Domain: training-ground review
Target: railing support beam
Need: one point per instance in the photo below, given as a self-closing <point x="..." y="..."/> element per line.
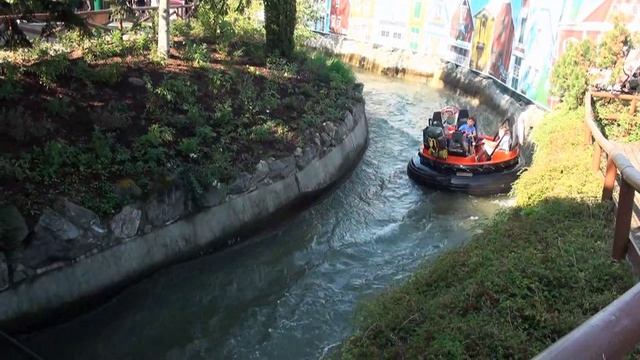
<point x="609" y="179"/>
<point x="597" y="153"/>
<point x="623" y="220"/>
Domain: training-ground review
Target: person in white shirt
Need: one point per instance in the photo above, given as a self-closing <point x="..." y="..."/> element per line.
<point x="502" y="142"/>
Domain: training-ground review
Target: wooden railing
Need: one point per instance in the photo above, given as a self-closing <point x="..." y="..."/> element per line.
<point x="615" y="330"/>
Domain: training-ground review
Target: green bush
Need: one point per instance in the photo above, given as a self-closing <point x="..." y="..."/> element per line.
<point x="181" y="28"/>
<point x="48" y="70"/>
<point x="569" y="78"/>
<point x="197" y="53"/>
<point x="9" y="81"/>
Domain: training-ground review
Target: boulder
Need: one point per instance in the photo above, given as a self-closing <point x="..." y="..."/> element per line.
<point x="281" y="168"/>
<point x="126" y="223"/>
<point x="241" y="184"/>
<point x="57" y="225"/>
<point x="214" y="196"/>
<point x="21" y="272"/>
<point x="79" y="216"/>
<point x="135" y="81"/>
<point x="308" y="155"/>
<point x="127" y="189"/>
<point x="13" y="228"/>
<point x="329" y="129"/>
<point x="47" y="247"/>
<point x="348" y="120"/>
<point x="166" y="207"/>
<point x="262" y="170"/>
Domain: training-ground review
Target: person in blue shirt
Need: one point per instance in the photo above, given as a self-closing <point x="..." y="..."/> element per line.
<point x="469" y="130"/>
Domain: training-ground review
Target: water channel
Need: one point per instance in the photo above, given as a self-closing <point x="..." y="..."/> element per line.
<point x="291" y="293"/>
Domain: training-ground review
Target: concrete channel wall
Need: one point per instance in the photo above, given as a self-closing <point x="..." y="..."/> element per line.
<point x="43" y="297"/>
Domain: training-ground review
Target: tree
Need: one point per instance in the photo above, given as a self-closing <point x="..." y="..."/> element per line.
<point x="163" y="29"/>
<point x="120" y="11"/>
<point x="570" y="75"/>
<point x="280" y="24"/>
<point x="613" y="49"/>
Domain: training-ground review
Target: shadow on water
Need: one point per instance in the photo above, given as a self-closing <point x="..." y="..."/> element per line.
<point x="290" y="294"/>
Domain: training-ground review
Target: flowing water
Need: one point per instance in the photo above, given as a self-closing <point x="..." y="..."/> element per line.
<point x="291" y="293"/>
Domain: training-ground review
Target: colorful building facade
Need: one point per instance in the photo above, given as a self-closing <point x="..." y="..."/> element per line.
<point x="323" y="22"/>
<point x="515" y="41"/>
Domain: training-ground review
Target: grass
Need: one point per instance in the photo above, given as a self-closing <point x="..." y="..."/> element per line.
<point x="534" y="273"/>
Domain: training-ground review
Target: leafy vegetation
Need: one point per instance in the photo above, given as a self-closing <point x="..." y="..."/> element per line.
<point x="518" y="286"/>
<point x="569" y="77"/>
<point x="101" y="113"/>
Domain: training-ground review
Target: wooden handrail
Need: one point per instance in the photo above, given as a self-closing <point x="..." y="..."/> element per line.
<point x="615" y="330"/>
<point x="610" y="334"/>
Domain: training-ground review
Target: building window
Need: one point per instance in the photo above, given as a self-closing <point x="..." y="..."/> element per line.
<point x="522" y="25"/>
<point x="384" y="33"/>
<point x="415" y="30"/>
<point x="397" y="35"/>
<point x="417" y="9"/>
<point x="516" y="73"/>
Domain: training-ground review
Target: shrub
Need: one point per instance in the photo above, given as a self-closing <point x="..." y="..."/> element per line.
<point x="48" y="70"/>
<point x="611" y="50"/>
<point x="181" y="28"/>
<point x="198" y="54"/>
<point x="569" y="78"/>
<point x="114" y="116"/>
<point x="9" y="81"/>
<point x="107" y="74"/>
<point x="59" y="107"/>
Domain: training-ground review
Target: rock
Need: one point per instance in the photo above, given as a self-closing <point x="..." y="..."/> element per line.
<point x="47" y="247"/>
<point x="13" y="228"/>
<point x="329" y="129"/>
<point x="127" y="189"/>
<point x="21" y="273"/>
<point x="317" y="139"/>
<point x="213" y="197"/>
<point x="308" y="155"/>
<point x="57" y="225"/>
<point x="298" y="152"/>
<point x="280" y="169"/>
<point x="136" y="81"/>
<point x="241" y="184"/>
<point x="80" y="216"/>
<point x="326" y="140"/>
<point x="4" y="273"/>
<point x="262" y="170"/>
<point x="126" y="223"/>
<point x="348" y="120"/>
<point x="166" y="207"/>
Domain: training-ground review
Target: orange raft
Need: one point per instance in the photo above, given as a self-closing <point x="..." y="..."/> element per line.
<point x="451" y="160"/>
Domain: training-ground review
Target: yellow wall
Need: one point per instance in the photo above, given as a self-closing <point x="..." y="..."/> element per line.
<point x="361" y="19"/>
<point x="483" y="33"/>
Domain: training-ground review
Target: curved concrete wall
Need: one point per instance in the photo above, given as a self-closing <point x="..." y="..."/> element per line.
<point x="44" y="296"/>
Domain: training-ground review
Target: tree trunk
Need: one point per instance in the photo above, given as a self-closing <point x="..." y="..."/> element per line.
<point x="280" y="23"/>
<point x="163" y="29"/>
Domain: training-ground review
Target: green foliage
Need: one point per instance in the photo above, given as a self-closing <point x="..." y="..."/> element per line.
<point x="106" y="74"/>
<point x="196" y="53"/>
<point x="48" y="70"/>
<point x="626" y="128"/>
<point x="518" y="286"/>
<point x="59" y="107"/>
<point x="569" y="78"/>
<point x="114" y="116"/>
<point x="181" y="28"/>
<point x="20" y="125"/>
<point x="612" y="50"/>
<point x="9" y="81"/>
<point x="120" y="11"/>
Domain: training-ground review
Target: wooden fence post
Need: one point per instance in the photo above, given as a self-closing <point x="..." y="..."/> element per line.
<point x="634" y="105"/>
<point x="623" y="220"/>
<point x="609" y="179"/>
<point x="597" y="153"/>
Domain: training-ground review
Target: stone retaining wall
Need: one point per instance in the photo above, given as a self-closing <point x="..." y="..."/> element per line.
<point x="167" y="228"/>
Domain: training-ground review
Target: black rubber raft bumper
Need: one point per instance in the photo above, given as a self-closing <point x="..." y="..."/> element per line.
<point x="474" y="184"/>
